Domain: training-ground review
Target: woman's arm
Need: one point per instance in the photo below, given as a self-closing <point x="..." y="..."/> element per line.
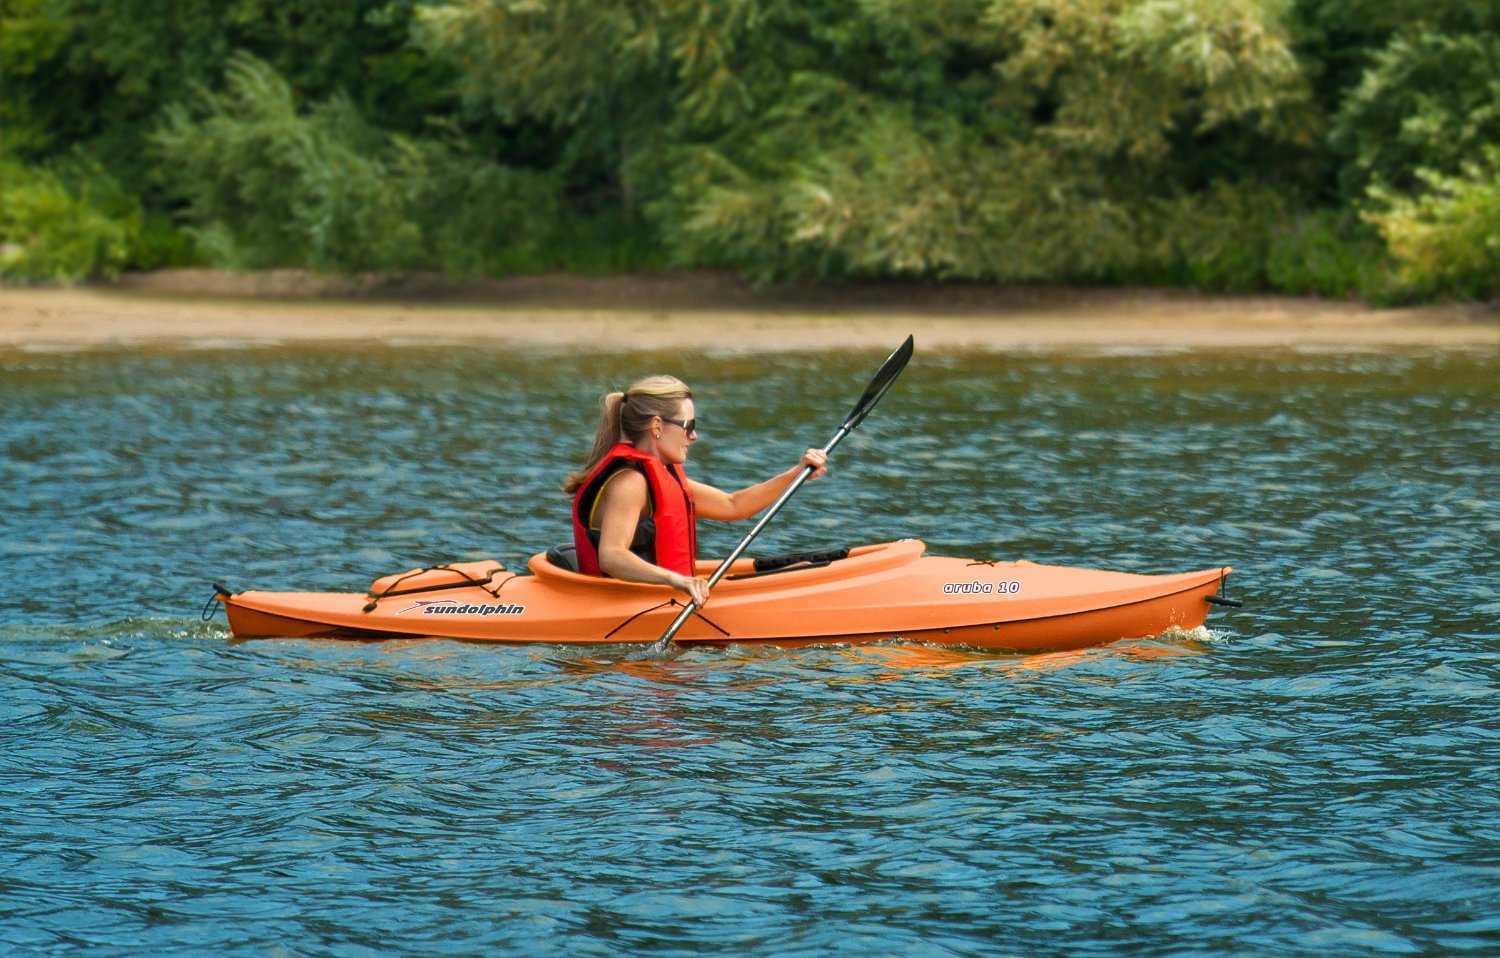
<point x="620" y="506"/>
<point x="712" y="503"/>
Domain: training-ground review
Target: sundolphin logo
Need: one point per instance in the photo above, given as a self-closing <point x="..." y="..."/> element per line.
<point x="455" y="607"/>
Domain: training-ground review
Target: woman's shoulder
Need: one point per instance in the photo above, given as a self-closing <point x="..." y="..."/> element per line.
<point x="627" y="481"/>
<point x="624" y="489"/>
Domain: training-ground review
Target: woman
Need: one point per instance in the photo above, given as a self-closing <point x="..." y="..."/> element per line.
<point x="634" y="508"/>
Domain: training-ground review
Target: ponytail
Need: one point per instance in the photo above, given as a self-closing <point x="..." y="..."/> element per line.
<point x="605" y="438"/>
<point x="624" y="417"/>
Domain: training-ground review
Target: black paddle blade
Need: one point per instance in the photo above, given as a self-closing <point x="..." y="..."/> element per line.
<point x="882" y="381"/>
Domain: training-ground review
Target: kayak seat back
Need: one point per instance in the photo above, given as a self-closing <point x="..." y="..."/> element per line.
<point x="564" y="555"/>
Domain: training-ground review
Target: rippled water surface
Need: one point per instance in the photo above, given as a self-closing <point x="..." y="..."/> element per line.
<point x="1316" y="774"/>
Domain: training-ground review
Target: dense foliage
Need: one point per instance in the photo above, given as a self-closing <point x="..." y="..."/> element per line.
<point x="1338" y="147"/>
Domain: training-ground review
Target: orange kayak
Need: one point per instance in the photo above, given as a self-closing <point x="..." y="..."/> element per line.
<point x="868" y="593"/>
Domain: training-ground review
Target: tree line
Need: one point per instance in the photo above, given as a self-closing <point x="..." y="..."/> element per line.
<point x="1333" y="147"/>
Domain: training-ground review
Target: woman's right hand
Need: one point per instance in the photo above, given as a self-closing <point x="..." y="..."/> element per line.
<point x="695" y="587"/>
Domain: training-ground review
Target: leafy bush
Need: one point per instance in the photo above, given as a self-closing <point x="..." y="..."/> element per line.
<point x="1217" y="240"/>
<point x="268" y="184"/>
<point x="1447" y="238"/>
<point x="475" y="215"/>
<point x="161" y="245"/>
<point x="1332" y="254"/>
<point x="60" y="227"/>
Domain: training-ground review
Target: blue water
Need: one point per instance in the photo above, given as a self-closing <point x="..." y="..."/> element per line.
<point x="1315" y="774"/>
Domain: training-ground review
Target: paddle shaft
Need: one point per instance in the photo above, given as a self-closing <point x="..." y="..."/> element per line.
<point x="739" y="550"/>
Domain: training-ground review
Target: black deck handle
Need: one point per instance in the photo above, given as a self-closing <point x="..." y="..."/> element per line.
<point x="212" y="605"/>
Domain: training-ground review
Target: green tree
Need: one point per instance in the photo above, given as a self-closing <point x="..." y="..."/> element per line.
<point x="1228" y="144"/>
<point x="1412" y="136"/>
<point x="1119" y="76"/>
<point x="1428" y="101"/>
<point x="270" y="183"/>
<point x="1012" y="138"/>
<point x="32" y="42"/>
<point x="97" y="73"/>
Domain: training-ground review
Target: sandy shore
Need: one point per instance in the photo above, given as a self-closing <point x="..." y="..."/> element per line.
<point x="709" y="311"/>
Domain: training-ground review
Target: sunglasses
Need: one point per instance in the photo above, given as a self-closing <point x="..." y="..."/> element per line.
<point x="689" y="426"/>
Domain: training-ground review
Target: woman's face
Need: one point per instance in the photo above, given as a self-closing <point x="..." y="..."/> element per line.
<point x="672" y="445"/>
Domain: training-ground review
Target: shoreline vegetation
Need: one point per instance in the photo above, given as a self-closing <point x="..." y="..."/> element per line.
<point x="699" y="311"/>
<point x="1349" y="151"/>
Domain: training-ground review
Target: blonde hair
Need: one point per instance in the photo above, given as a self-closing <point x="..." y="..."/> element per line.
<point x="626" y="416"/>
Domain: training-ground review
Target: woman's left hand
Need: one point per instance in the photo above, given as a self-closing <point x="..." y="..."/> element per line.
<point x="818" y="459"/>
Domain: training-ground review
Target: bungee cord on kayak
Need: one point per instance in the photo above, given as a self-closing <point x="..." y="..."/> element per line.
<point x="670" y="603"/>
<point x="457" y="576"/>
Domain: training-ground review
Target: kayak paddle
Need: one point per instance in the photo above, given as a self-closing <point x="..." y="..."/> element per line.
<point x="883" y="379"/>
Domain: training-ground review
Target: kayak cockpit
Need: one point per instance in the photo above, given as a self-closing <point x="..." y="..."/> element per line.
<point x="554" y="567"/>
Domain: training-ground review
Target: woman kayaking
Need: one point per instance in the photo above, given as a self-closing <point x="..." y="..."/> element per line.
<point x="634" y="508"/>
<point x="871" y="592"/>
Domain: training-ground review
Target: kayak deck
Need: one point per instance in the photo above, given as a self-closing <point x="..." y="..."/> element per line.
<point x="882" y="591"/>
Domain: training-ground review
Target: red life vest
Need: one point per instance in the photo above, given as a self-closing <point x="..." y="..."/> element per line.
<point x="676" y="539"/>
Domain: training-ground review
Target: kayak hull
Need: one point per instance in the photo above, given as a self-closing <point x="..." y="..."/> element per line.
<point x="880" y="592"/>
